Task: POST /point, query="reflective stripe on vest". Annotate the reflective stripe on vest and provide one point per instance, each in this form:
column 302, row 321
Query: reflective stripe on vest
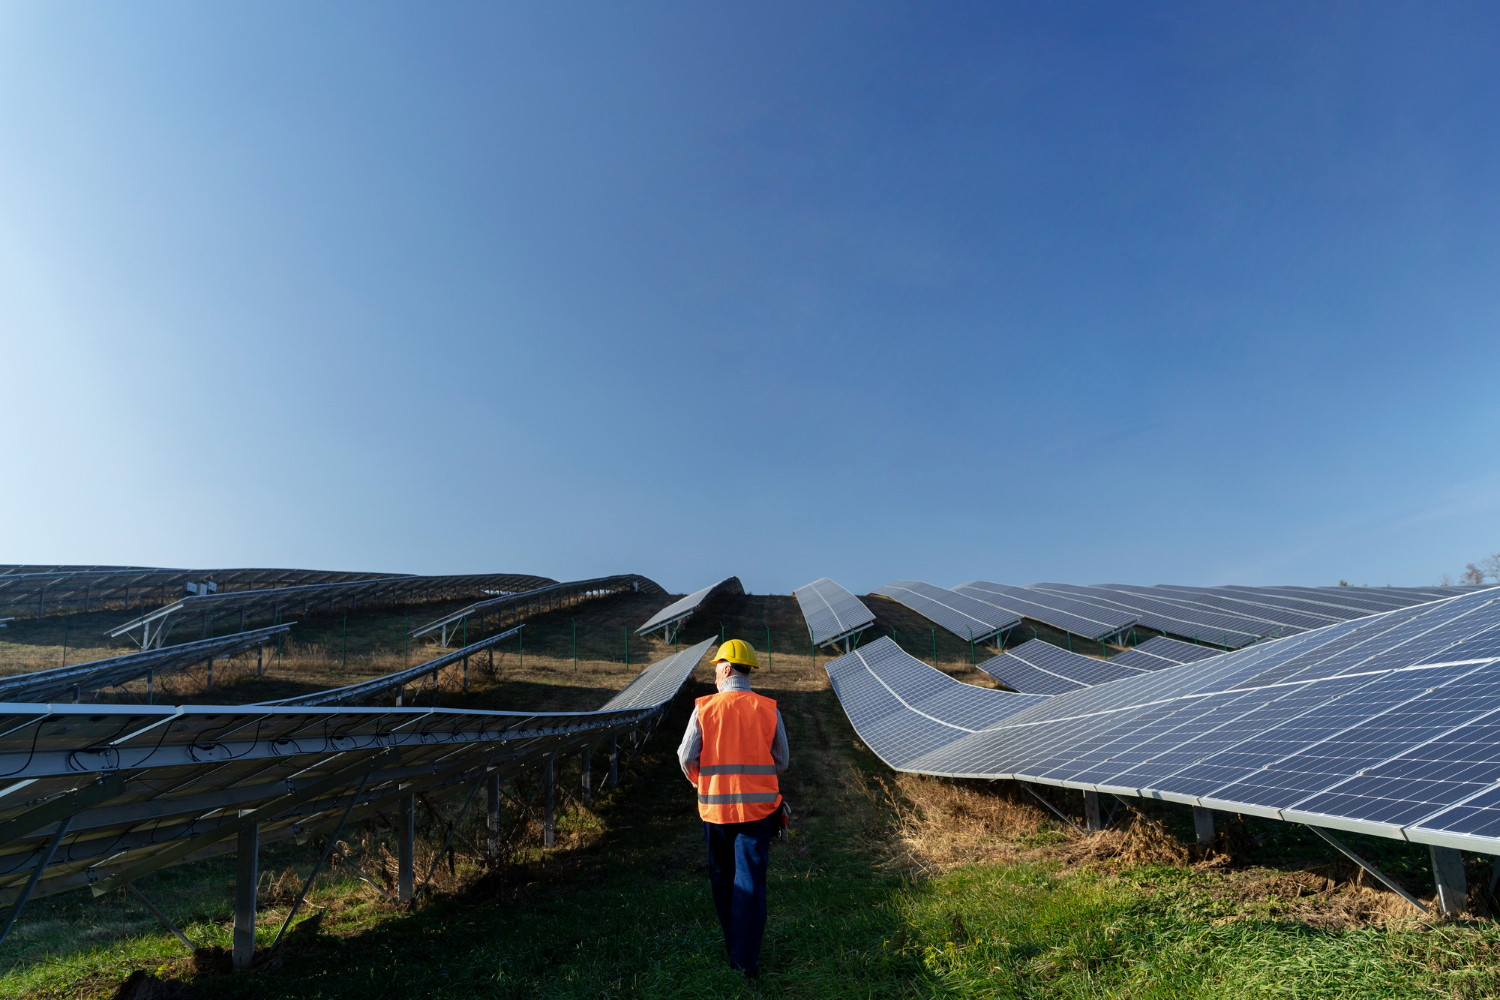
column 736, row 773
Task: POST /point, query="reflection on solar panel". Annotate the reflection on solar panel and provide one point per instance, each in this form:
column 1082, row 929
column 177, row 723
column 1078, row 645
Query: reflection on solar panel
column 965, row 617
column 511, row 608
column 1037, row 667
column 38, row 590
column 1387, row 725
column 1088, row 620
column 670, row 619
column 100, row 795
column 1274, row 617
column 1159, row 651
column 832, row 614
column 79, row 679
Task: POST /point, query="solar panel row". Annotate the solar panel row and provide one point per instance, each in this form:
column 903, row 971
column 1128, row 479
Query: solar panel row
column 670, row 619
column 1087, row 620
column 1384, row 725
column 99, row 795
column 831, row 612
column 960, row 614
column 1037, row 667
column 511, row 608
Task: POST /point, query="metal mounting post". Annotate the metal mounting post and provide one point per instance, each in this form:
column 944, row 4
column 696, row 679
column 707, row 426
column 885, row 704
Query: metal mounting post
column 549, row 790
column 1091, row 811
column 492, row 812
column 1203, row 824
column 246, row 878
column 586, row 765
column 614, row 762
column 1448, row 873
column 406, row 848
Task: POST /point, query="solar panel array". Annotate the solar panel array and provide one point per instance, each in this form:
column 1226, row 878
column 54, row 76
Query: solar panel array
column 1087, row 620
column 205, row 609
column 831, row 612
column 958, row 613
column 29, row 591
column 78, row 679
column 671, row 618
column 1385, row 725
column 127, row 789
column 1038, row 667
column 510, row 608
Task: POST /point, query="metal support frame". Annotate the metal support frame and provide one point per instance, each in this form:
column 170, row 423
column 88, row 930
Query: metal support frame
column 322, row 859
column 1203, row 824
column 1389, row 882
column 614, row 762
column 406, row 846
column 1058, row 813
column 1448, row 874
column 1091, row 811
column 159, row 915
column 438, row 857
column 586, row 760
column 492, row 812
column 549, row 790
column 246, row 880
column 36, row 875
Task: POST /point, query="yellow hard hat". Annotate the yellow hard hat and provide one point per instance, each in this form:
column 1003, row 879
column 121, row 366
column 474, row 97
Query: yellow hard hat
column 736, row 651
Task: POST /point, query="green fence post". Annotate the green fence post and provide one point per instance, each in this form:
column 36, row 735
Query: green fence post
column 406, row 639
column 575, row 644
column 768, row 647
column 934, row 648
column 521, row 646
column 344, row 650
column 627, row 646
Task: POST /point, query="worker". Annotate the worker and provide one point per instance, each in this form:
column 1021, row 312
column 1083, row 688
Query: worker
column 734, row 748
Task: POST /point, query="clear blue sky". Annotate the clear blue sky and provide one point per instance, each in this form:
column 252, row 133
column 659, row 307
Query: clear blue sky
column 1190, row 293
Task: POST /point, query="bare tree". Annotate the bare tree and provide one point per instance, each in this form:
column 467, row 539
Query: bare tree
column 1472, row 574
column 1490, row 566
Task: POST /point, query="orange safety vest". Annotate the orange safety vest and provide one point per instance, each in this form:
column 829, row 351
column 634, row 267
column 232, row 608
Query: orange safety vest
column 736, row 773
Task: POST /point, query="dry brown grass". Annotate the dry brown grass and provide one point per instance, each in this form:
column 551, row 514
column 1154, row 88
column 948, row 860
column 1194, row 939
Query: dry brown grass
column 940, row 825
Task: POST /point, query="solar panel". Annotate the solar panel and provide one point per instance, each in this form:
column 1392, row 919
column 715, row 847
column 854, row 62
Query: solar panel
column 963, row 616
column 1381, row 725
column 78, row 679
column 831, row 612
column 1087, row 620
column 1160, row 651
column 1038, row 667
column 671, row 618
column 661, row 681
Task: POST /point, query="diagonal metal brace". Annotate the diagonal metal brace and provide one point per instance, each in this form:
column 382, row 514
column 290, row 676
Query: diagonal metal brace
column 1390, row 883
column 260, row 814
column 1054, row 809
column 166, row 921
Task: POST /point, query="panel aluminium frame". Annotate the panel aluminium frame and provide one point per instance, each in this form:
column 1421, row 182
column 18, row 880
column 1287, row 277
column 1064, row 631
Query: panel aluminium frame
column 376, row 592
column 177, row 782
column 833, row 614
column 78, row 678
column 512, row 608
column 671, row 618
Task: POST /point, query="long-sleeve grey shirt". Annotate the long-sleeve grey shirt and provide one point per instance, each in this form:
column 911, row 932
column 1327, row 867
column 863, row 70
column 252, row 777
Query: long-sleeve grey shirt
column 691, row 747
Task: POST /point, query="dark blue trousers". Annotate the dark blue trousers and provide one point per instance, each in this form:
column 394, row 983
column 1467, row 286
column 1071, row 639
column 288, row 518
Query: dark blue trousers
column 737, row 856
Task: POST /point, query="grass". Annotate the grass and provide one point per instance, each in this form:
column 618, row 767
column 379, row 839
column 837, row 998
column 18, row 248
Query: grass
column 893, row 886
